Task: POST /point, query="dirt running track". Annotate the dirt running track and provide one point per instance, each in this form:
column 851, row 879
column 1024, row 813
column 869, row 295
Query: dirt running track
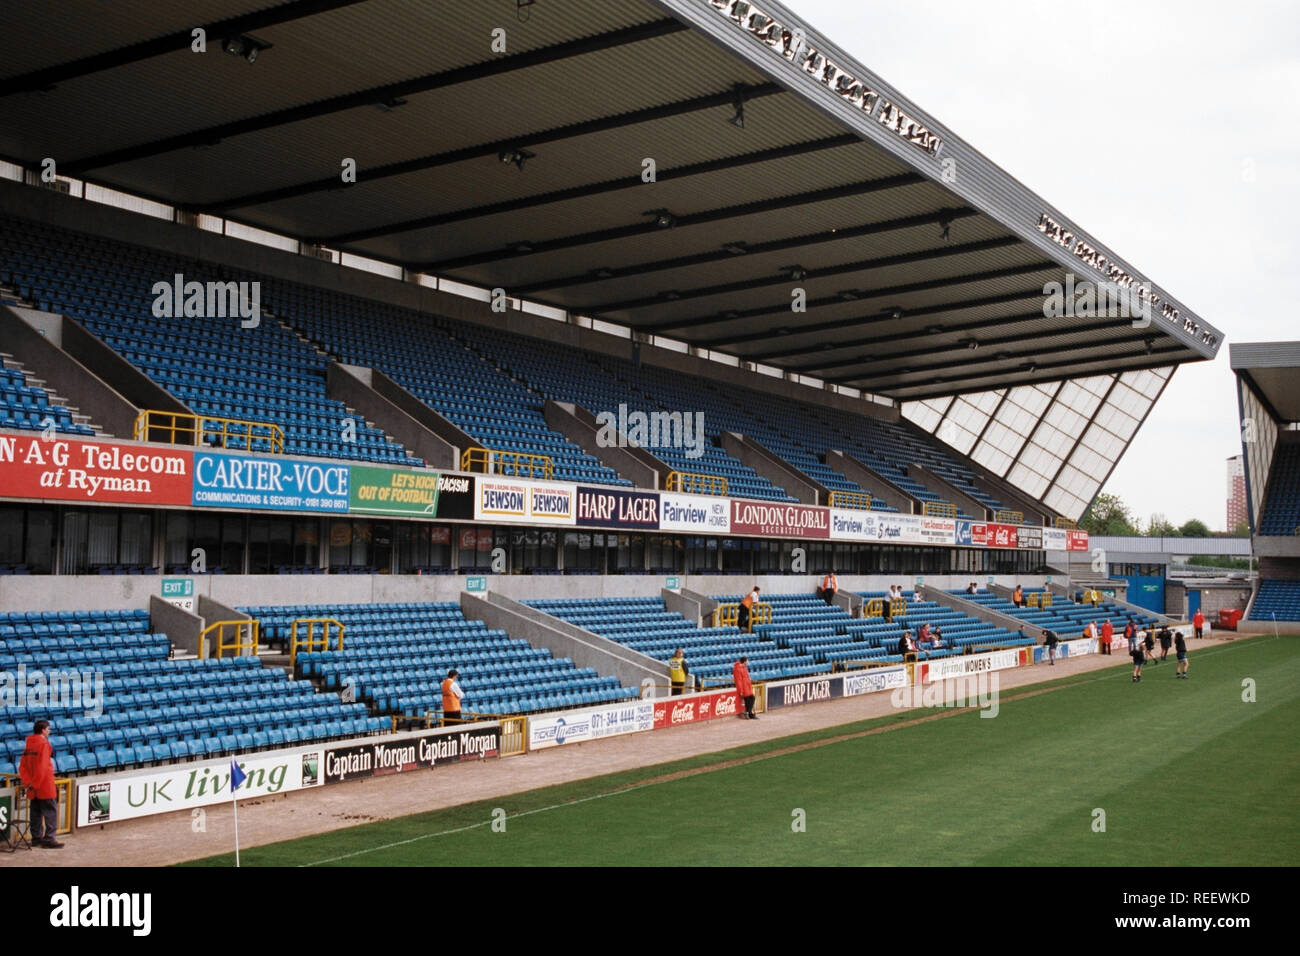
column 169, row 838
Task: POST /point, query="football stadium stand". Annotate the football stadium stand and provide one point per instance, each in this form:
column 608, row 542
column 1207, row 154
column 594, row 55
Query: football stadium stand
column 155, row 709
column 1064, row 616
column 1277, row 600
column 398, row 654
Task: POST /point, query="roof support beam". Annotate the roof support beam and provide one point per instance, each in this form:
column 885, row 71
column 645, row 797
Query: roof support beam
column 831, row 300
column 483, row 150
column 848, row 268
column 369, row 97
column 587, row 190
column 51, row 76
column 720, row 255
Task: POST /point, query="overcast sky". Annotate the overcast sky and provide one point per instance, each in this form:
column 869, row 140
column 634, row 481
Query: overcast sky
column 1169, row 131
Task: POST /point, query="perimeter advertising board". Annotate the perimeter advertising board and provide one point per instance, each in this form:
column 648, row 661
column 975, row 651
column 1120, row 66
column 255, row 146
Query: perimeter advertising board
column 525, row 502
column 615, row 508
column 192, row 785
column 270, row 483
column 970, row 664
column 576, row 726
column 694, row 513
column 672, row 711
column 780, row 521
column 94, row 472
column 422, row 752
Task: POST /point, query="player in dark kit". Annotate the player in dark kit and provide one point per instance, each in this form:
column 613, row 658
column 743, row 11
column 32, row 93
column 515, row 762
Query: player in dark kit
column 1135, row 652
column 1180, row 649
column 1166, row 638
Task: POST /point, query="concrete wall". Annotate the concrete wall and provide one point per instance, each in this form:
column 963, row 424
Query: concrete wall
column 775, row 469
column 35, row 339
column 878, row 485
column 182, row 627
column 947, row 490
column 578, row 425
column 353, row 387
column 688, row 607
column 403, row 400
column 562, row 639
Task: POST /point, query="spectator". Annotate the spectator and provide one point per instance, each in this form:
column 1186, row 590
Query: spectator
column 923, row 636
column 1095, row 597
column 36, row 770
column 937, row 641
column 830, row 586
column 1051, row 640
column 452, row 695
column 917, row 596
column 1107, row 635
column 972, row 588
column 678, row 671
column 746, row 610
column 1198, row 622
column 1018, row 596
column 744, row 687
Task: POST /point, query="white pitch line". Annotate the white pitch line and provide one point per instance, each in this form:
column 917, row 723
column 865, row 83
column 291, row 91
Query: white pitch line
column 598, row 796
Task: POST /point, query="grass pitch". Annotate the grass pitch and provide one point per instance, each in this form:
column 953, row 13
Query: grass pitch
column 1186, row 772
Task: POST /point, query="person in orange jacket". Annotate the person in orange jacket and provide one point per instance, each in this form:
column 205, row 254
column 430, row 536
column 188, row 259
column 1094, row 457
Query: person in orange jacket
column 36, row 770
column 452, row 695
column 1198, row 622
column 744, row 687
column 830, row 586
column 1107, row 633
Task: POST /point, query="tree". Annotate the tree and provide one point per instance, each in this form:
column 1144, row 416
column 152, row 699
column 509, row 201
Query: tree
column 1110, row 516
column 1161, row 527
column 1242, row 530
column 1196, row 528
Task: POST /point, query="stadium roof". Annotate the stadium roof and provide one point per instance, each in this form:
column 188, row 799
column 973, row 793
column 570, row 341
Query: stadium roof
column 1270, row 368
column 777, row 167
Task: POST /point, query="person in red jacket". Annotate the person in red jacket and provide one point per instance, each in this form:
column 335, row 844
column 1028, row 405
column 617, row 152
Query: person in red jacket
column 1198, row 621
column 36, row 770
column 744, row 688
column 1107, row 634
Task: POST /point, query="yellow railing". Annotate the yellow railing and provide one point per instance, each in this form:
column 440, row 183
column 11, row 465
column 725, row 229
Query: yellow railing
column 859, row 500
column 516, row 464
column 1067, row 523
column 1031, row 599
column 727, row 614
column 876, row 607
column 20, row 822
column 243, row 634
column 1046, row 601
column 184, row 428
column 1009, row 517
column 514, row 736
column 311, row 641
column 939, row 509
column 688, row 482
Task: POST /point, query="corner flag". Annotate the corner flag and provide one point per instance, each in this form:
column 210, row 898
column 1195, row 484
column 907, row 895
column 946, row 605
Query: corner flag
column 237, row 776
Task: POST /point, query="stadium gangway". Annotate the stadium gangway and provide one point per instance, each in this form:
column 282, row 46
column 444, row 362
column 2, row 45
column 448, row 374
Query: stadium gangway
column 689, row 482
column 310, row 642
column 856, row 500
column 245, row 637
column 516, row 464
column 514, row 727
column 726, row 614
column 186, row 428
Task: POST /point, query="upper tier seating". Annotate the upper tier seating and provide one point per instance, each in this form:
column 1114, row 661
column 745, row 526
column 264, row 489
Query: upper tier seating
column 1282, row 506
column 213, row 365
column 155, row 710
column 398, row 654
column 28, row 407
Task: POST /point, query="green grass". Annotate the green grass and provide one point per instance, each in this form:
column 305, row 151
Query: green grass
column 1186, row 772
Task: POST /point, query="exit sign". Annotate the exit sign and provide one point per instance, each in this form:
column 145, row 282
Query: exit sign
column 177, row 587
column 476, row 584
column 673, row 584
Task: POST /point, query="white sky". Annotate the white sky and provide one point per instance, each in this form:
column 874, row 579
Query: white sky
column 1170, row 131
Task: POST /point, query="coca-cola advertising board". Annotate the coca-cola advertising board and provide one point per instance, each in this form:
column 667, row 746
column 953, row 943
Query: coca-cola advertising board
column 671, row 711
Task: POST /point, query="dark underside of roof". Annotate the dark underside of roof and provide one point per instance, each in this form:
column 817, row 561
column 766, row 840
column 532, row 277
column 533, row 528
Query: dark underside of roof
column 526, row 169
